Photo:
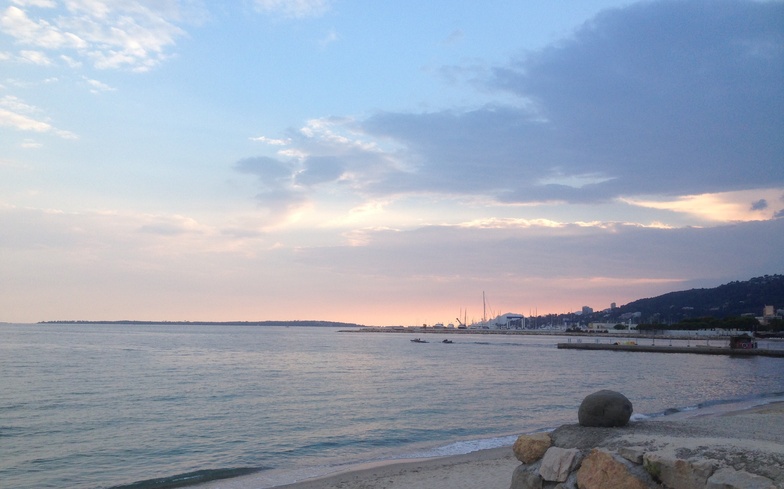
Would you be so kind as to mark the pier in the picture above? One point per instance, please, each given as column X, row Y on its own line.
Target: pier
column 700, row 350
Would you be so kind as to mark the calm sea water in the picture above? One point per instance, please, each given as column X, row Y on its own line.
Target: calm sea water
column 99, row 406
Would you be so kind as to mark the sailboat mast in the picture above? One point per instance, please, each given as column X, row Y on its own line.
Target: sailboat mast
column 484, row 308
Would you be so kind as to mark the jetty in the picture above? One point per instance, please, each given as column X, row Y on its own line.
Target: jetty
column 699, row 349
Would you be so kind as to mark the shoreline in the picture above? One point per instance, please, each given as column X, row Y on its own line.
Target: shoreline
column 739, row 427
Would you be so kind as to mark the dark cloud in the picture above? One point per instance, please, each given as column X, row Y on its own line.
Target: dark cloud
column 271, row 172
column 759, row 205
column 320, row 170
column 660, row 97
column 721, row 253
column 277, row 194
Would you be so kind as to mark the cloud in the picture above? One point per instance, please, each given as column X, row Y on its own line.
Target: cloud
column 293, row 8
column 658, row 98
column 330, row 37
column 110, row 34
column 30, row 144
column 35, row 57
column 718, row 207
column 98, row 86
column 454, row 37
column 319, row 169
column 278, row 193
column 21, row 116
column 35, row 3
column 271, row 141
column 541, row 259
column 759, row 205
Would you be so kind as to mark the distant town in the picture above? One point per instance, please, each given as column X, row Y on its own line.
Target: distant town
column 755, row 305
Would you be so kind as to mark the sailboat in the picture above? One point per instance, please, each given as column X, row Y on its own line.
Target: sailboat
column 483, row 324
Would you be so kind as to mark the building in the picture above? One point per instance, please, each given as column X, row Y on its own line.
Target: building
column 510, row 320
column 601, row 326
column 587, row 310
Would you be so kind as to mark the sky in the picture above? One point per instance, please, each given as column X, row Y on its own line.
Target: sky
column 383, row 163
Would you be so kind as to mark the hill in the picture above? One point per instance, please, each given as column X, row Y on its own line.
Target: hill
column 732, row 299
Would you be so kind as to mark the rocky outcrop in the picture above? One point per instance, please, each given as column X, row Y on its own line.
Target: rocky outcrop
column 739, row 451
column 605, row 408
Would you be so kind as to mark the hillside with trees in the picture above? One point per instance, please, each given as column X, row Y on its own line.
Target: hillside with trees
column 733, row 299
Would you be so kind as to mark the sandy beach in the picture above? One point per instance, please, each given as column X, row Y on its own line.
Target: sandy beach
column 750, row 439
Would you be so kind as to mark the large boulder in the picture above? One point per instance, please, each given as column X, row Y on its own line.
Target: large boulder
column 558, row 463
column 605, row 408
column 600, row 470
column 675, row 472
column 728, row 478
column 530, row 448
column 524, row 479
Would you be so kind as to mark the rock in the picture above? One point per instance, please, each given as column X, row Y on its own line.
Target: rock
column 675, row 472
column 734, row 479
column 632, row 454
column 605, row 408
column 558, row 463
column 530, row 448
column 523, row 479
column 576, row 436
column 600, row 470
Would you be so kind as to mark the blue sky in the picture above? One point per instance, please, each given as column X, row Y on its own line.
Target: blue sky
column 383, row 163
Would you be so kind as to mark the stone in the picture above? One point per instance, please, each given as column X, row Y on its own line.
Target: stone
column 605, row 408
column 676, row 472
column 600, row 470
column 522, row 478
column 530, row 448
column 558, row 463
column 576, row 436
column 632, row 454
column 727, row 478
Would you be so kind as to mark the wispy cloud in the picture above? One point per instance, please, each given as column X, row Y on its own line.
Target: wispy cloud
column 718, row 207
column 293, row 8
column 19, row 115
column 329, row 38
column 271, row 141
column 109, row 34
column 98, row 86
column 35, row 57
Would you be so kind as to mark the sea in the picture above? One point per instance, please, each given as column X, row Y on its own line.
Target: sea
column 86, row 406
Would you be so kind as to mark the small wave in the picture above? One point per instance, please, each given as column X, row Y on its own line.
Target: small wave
column 463, row 447
column 191, row 478
column 721, row 405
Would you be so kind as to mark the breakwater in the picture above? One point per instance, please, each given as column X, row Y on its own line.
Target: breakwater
column 700, row 350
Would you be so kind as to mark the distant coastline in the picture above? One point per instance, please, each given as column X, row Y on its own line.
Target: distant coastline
column 331, row 324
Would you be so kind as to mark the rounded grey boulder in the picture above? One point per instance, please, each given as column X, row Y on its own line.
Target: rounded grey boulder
column 605, row 408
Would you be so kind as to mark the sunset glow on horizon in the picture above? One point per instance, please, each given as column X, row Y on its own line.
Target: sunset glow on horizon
column 383, row 164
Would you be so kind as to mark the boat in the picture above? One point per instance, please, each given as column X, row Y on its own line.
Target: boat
column 418, row 340
column 742, row 342
column 447, row 341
